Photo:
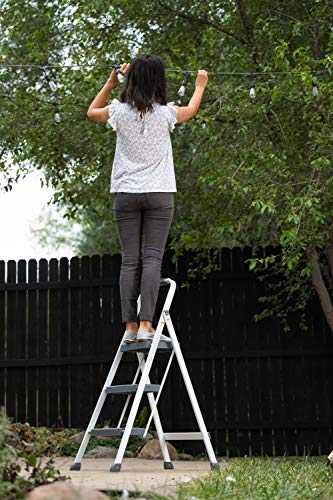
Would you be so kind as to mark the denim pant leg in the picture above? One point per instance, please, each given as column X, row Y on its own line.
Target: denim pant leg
column 157, row 219
column 128, row 218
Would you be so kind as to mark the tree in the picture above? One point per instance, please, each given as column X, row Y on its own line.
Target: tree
column 87, row 235
column 258, row 170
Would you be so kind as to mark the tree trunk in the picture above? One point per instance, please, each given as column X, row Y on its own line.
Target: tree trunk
column 329, row 255
column 320, row 287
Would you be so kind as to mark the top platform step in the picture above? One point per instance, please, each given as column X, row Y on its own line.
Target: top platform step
column 163, row 346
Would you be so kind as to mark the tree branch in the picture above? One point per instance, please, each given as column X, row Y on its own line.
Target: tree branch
column 320, row 287
column 200, row 20
column 245, row 21
column 248, row 29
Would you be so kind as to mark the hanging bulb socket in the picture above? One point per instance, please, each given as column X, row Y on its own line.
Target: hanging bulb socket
column 57, row 116
column 252, row 87
column 51, row 83
column 182, row 88
column 120, row 76
column 314, row 84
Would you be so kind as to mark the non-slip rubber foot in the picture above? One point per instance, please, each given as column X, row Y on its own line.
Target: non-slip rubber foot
column 75, row 466
column 214, row 465
column 168, row 465
column 115, row 468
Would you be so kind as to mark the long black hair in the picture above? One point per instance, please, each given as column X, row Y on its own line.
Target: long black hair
column 145, row 83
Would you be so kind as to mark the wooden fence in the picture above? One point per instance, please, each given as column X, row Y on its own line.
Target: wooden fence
column 261, row 391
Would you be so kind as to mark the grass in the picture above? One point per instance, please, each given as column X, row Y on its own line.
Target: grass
column 265, row 478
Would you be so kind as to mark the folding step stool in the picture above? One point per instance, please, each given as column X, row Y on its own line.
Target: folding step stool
column 145, row 386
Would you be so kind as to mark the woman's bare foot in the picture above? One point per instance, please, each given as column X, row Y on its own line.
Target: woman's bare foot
column 147, row 325
column 132, row 325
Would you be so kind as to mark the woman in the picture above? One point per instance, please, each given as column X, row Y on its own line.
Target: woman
column 143, row 179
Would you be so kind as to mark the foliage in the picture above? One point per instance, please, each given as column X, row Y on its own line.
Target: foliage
column 258, row 171
column 86, row 234
column 45, row 441
column 262, row 478
column 13, row 461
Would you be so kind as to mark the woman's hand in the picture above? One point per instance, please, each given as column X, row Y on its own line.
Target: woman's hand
column 202, row 78
column 113, row 77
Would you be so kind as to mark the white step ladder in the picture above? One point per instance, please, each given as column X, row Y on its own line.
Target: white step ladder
column 151, row 347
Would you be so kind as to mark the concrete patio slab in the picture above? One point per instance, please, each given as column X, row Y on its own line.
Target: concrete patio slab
column 136, row 474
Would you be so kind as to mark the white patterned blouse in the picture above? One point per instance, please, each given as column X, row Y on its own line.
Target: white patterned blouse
column 143, row 159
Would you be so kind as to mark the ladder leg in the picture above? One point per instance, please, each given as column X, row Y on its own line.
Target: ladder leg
column 116, row 467
column 77, row 462
column 165, row 452
column 201, row 423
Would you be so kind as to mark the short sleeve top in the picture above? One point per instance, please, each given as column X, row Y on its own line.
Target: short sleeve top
column 143, row 159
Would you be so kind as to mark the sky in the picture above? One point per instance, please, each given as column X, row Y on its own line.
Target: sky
column 19, row 207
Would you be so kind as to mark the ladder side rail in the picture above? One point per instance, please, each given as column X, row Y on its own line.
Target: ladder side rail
column 170, row 295
column 138, row 302
column 189, row 387
column 168, row 299
column 159, row 393
column 98, row 407
column 138, row 396
column 140, row 359
column 158, row 425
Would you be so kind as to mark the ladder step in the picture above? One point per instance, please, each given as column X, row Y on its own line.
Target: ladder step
column 163, row 346
column 118, row 431
column 183, row 436
column 131, row 388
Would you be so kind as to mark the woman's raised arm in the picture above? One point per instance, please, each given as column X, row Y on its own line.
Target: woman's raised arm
column 97, row 110
column 185, row 113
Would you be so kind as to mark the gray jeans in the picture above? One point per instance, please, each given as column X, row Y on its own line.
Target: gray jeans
column 136, row 215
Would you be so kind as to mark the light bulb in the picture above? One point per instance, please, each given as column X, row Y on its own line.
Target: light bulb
column 182, row 88
column 314, row 84
column 120, row 76
column 252, row 88
column 57, row 116
column 53, row 86
column 314, row 89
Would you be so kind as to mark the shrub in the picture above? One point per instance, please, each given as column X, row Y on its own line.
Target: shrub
column 14, row 485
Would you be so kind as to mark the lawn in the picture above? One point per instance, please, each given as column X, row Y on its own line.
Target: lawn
column 265, row 478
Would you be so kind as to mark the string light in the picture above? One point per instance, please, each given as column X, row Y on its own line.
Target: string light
column 52, row 85
column 226, row 73
column 119, row 74
column 314, row 84
column 252, row 88
column 57, row 116
column 182, row 88
column 186, row 75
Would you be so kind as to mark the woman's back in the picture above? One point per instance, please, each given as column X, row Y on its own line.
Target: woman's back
column 143, row 159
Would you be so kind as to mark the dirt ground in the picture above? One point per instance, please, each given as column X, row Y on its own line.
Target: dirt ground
column 136, row 474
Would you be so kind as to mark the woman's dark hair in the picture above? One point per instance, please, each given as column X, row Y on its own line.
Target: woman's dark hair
column 145, row 83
